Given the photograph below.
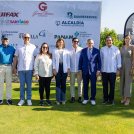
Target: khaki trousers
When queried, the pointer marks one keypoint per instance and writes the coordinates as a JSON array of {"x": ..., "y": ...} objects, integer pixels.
[
  {"x": 5, "y": 72},
  {"x": 73, "y": 75}
]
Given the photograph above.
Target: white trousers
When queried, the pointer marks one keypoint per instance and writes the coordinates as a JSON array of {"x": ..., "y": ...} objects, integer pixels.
[
  {"x": 73, "y": 75},
  {"x": 5, "y": 72}
]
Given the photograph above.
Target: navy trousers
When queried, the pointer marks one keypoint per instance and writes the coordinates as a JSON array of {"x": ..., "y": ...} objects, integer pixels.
[
  {"x": 93, "y": 79},
  {"x": 108, "y": 77},
  {"x": 61, "y": 84}
]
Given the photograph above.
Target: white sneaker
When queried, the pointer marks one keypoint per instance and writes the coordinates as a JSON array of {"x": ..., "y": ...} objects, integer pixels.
[
  {"x": 21, "y": 102},
  {"x": 93, "y": 102},
  {"x": 85, "y": 102},
  {"x": 29, "y": 103}
]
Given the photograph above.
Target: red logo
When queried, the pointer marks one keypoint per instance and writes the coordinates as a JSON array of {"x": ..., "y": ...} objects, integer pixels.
[
  {"x": 43, "y": 13},
  {"x": 8, "y": 14},
  {"x": 42, "y": 6}
]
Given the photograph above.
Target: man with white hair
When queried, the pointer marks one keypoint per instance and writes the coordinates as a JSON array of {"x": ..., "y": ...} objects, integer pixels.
[
  {"x": 24, "y": 62},
  {"x": 89, "y": 68}
]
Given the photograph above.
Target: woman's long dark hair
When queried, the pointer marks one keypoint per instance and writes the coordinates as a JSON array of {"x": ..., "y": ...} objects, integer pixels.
[{"x": 49, "y": 54}]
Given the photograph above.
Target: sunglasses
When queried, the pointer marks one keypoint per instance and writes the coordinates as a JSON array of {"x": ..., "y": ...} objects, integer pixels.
[
  {"x": 76, "y": 41},
  {"x": 127, "y": 39},
  {"x": 5, "y": 39},
  {"x": 45, "y": 47},
  {"x": 26, "y": 37}
]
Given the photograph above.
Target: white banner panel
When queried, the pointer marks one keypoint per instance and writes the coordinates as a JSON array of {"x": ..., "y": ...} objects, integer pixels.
[{"x": 50, "y": 20}]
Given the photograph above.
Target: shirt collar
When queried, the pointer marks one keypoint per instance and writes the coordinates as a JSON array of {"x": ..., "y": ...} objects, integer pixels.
[
  {"x": 110, "y": 47},
  {"x": 4, "y": 46},
  {"x": 25, "y": 45},
  {"x": 89, "y": 49},
  {"x": 74, "y": 48}
]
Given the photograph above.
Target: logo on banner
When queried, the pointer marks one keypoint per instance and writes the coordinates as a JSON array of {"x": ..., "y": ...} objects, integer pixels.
[
  {"x": 15, "y": 45},
  {"x": 14, "y": 22},
  {"x": 63, "y": 36},
  {"x": 9, "y": 14},
  {"x": 45, "y": 33},
  {"x": 76, "y": 34},
  {"x": 82, "y": 34},
  {"x": 31, "y": 35},
  {"x": 57, "y": 23},
  {"x": 71, "y": 16},
  {"x": 70, "y": 23},
  {"x": 8, "y": 33},
  {"x": 42, "y": 7},
  {"x": 19, "y": 21}
]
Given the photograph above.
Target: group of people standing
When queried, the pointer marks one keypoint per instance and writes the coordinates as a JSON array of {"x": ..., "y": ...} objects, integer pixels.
[{"x": 82, "y": 63}]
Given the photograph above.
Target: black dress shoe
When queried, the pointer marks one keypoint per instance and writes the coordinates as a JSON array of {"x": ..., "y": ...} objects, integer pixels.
[
  {"x": 80, "y": 100},
  {"x": 111, "y": 102},
  {"x": 72, "y": 100},
  {"x": 104, "y": 101}
]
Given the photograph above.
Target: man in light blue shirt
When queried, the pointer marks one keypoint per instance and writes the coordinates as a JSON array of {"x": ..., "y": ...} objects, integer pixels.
[{"x": 6, "y": 59}]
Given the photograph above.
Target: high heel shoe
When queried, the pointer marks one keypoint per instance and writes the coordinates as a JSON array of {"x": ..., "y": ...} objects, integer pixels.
[
  {"x": 123, "y": 100},
  {"x": 127, "y": 103}
]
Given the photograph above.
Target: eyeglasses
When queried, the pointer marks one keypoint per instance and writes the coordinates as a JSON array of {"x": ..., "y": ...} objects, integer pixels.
[
  {"x": 76, "y": 41},
  {"x": 5, "y": 39},
  {"x": 26, "y": 37},
  {"x": 127, "y": 39},
  {"x": 45, "y": 47}
]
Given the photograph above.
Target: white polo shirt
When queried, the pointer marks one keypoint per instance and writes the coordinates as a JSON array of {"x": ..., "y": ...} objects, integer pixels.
[{"x": 25, "y": 56}]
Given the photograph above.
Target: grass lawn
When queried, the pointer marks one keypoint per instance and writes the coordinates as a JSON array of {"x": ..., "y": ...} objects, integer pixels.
[{"x": 72, "y": 118}]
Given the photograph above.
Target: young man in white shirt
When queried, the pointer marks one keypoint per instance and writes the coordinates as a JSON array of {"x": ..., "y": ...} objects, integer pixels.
[
  {"x": 111, "y": 64},
  {"x": 74, "y": 53},
  {"x": 24, "y": 57}
]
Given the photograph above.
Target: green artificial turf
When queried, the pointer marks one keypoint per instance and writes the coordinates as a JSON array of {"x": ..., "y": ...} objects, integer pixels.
[{"x": 71, "y": 118}]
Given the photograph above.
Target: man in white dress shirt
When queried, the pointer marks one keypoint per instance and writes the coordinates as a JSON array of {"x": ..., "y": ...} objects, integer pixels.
[
  {"x": 24, "y": 57},
  {"x": 111, "y": 64},
  {"x": 74, "y": 53}
]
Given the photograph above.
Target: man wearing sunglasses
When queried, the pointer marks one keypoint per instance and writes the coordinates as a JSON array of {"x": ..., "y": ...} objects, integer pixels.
[
  {"x": 74, "y": 53},
  {"x": 6, "y": 59},
  {"x": 24, "y": 62}
]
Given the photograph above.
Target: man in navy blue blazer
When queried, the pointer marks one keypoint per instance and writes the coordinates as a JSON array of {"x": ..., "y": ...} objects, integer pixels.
[{"x": 89, "y": 68}]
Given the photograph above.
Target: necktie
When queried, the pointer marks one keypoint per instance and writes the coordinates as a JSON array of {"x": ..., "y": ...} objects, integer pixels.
[{"x": 89, "y": 54}]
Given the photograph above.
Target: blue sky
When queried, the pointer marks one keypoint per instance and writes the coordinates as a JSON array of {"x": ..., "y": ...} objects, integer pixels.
[{"x": 114, "y": 13}]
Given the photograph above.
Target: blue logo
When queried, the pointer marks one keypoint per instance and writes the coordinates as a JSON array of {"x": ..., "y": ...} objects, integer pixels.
[
  {"x": 69, "y": 15},
  {"x": 80, "y": 45},
  {"x": 70, "y": 23},
  {"x": 57, "y": 23},
  {"x": 76, "y": 34},
  {"x": 45, "y": 33},
  {"x": 42, "y": 33}
]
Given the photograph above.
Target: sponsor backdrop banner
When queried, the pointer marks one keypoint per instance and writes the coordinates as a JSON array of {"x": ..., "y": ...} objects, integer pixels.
[
  {"x": 129, "y": 27},
  {"x": 48, "y": 21}
]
